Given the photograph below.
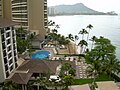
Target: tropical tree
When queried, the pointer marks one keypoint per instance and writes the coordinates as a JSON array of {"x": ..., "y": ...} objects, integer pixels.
[
  {"x": 69, "y": 80},
  {"x": 82, "y": 43},
  {"x": 76, "y": 38},
  {"x": 83, "y": 32},
  {"x": 23, "y": 39},
  {"x": 53, "y": 26},
  {"x": 70, "y": 36},
  {"x": 54, "y": 31},
  {"x": 104, "y": 54},
  {"x": 93, "y": 41},
  {"x": 67, "y": 69},
  {"x": 112, "y": 65},
  {"x": 9, "y": 85},
  {"x": 90, "y": 28},
  {"x": 94, "y": 70}
]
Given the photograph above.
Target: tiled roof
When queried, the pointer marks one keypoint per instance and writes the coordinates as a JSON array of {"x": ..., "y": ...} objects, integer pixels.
[
  {"x": 21, "y": 78},
  {"x": 6, "y": 23},
  {"x": 28, "y": 67}
]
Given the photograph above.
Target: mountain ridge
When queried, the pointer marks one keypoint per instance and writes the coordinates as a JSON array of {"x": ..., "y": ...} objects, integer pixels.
[{"x": 75, "y": 9}]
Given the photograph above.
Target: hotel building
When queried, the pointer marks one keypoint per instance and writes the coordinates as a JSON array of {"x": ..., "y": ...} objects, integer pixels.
[
  {"x": 5, "y": 9},
  {"x": 32, "y": 15},
  {"x": 8, "y": 49},
  {"x": 0, "y": 9}
]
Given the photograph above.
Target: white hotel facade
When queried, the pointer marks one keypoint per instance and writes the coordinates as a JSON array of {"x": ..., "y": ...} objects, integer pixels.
[{"x": 8, "y": 49}]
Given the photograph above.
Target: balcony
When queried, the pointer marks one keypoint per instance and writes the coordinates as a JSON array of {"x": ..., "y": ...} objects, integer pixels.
[
  {"x": 8, "y": 41},
  {"x": 20, "y": 13},
  {"x": 10, "y": 61},
  {"x": 19, "y": 6},
  {"x": 19, "y": 3},
  {"x": 17, "y": 11},
  {"x": 20, "y": 21},
  {"x": 25, "y": 19}
]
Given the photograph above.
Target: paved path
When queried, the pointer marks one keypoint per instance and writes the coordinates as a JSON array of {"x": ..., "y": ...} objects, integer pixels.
[{"x": 81, "y": 69}]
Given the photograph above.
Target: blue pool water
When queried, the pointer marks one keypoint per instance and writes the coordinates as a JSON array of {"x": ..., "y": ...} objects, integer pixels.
[{"x": 43, "y": 54}]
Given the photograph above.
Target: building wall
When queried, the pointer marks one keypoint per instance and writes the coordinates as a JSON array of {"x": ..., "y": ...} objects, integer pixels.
[
  {"x": 2, "y": 74},
  {"x": 0, "y": 8},
  {"x": 8, "y": 56},
  {"x": 20, "y": 13},
  {"x": 32, "y": 14},
  {"x": 6, "y": 9},
  {"x": 36, "y": 17}
]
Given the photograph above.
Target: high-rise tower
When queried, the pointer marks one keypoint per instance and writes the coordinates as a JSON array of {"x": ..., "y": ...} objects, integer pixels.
[
  {"x": 31, "y": 14},
  {"x": 8, "y": 49}
]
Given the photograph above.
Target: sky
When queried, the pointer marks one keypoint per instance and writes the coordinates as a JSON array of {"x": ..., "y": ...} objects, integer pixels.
[{"x": 98, "y": 5}]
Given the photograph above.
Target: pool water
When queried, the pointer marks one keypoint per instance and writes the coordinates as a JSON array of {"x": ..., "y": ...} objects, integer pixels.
[{"x": 43, "y": 54}]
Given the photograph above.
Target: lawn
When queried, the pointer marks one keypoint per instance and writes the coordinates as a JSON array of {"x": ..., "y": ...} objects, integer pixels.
[{"x": 88, "y": 81}]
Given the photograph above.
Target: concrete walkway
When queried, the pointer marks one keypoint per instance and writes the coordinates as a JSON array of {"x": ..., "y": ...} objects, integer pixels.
[{"x": 81, "y": 67}]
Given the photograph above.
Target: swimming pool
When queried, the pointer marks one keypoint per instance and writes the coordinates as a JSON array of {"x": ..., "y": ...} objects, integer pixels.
[{"x": 42, "y": 54}]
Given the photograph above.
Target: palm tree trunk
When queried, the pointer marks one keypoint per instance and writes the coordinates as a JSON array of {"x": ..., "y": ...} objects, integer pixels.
[
  {"x": 75, "y": 47},
  {"x": 92, "y": 45},
  {"x": 88, "y": 35},
  {"x": 81, "y": 49},
  {"x": 82, "y": 36}
]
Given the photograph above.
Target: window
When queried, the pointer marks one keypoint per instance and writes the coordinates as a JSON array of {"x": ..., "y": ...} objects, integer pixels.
[
  {"x": 6, "y": 67},
  {"x": 3, "y": 38},
  {"x": 3, "y": 45},
  {"x": 14, "y": 53},
  {"x": 8, "y": 41},
  {"x": 9, "y": 48},
  {"x": 14, "y": 46},
  {"x": 13, "y": 40},
  {"x": 7, "y": 34},
  {"x": 9, "y": 55},
  {"x": 2, "y": 30},
  {"x": 10, "y": 62},
  {"x": 15, "y": 59},
  {"x": 7, "y": 74},
  {"x": 16, "y": 65},
  {"x": 13, "y": 33},
  {"x": 5, "y": 60},
  {"x": 11, "y": 68},
  {"x": 4, "y": 53}
]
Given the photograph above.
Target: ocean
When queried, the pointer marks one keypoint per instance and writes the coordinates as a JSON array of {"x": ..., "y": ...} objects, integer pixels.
[{"x": 103, "y": 25}]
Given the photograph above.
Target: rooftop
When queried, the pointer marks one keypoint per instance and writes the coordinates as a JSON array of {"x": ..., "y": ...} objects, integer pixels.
[
  {"x": 6, "y": 23},
  {"x": 27, "y": 68},
  {"x": 111, "y": 85}
]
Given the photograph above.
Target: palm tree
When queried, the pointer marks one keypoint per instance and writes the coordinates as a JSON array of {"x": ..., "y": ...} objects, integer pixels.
[
  {"x": 54, "y": 31},
  {"x": 93, "y": 41},
  {"x": 76, "y": 38},
  {"x": 82, "y": 43},
  {"x": 70, "y": 36},
  {"x": 83, "y": 32},
  {"x": 89, "y": 27},
  {"x": 112, "y": 65}
]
